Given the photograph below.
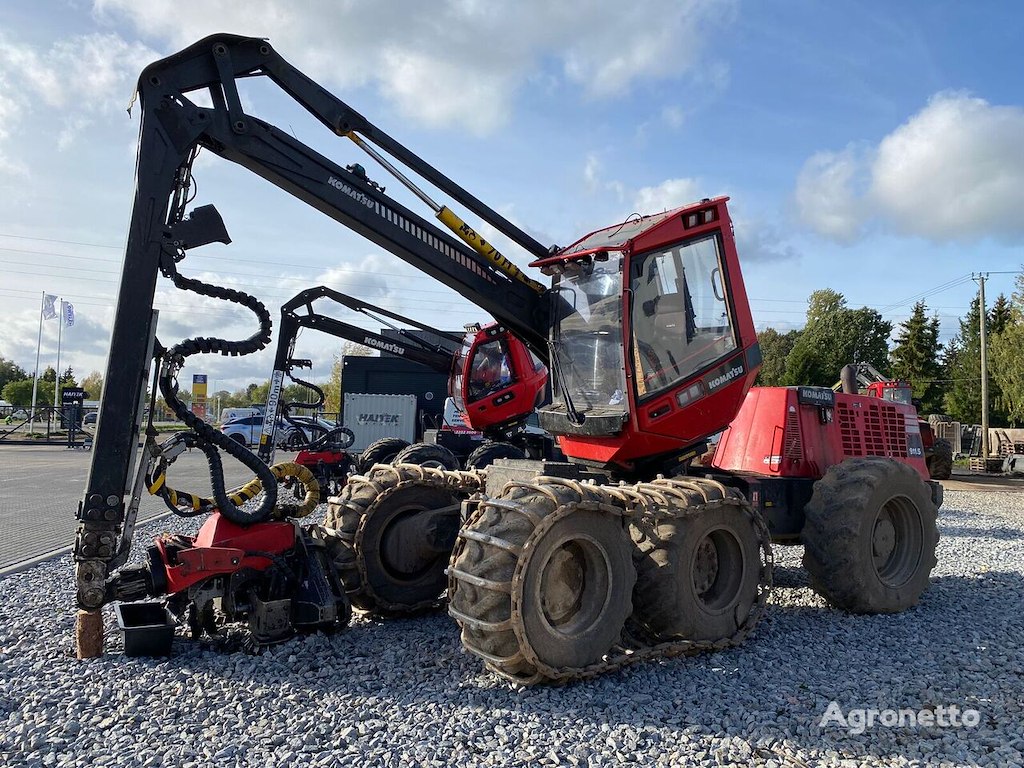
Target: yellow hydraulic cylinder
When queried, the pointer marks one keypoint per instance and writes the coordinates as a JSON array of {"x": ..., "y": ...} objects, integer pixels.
[
  {"x": 470, "y": 236},
  {"x": 451, "y": 220}
]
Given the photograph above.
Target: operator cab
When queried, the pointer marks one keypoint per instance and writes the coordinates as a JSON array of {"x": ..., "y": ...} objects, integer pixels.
[
  {"x": 895, "y": 391},
  {"x": 652, "y": 343},
  {"x": 496, "y": 380}
]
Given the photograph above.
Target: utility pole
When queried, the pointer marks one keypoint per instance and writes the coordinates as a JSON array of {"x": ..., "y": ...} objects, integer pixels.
[{"x": 980, "y": 280}]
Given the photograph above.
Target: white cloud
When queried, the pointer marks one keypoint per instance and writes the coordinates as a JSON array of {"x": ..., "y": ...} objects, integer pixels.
[
  {"x": 825, "y": 195},
  {"x": 84, "y": 76},
  {"x": 954, "y": 171},
  {"x": 459, "y": 62},
  {"x": 673, "y": 116},
  {"x": 757, "y": 241},
  {"x": 671, "y": 193}
]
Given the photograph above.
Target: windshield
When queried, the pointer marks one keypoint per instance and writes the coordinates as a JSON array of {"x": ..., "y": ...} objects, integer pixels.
[
  {"x": 899, "y": 395},
  {"x": 587, "y": 341},
  {"x": 680, "y": 316}
]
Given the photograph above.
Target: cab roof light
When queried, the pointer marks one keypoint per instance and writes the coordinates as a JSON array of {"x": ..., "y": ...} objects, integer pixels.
[{"x": 700, "y": 218}]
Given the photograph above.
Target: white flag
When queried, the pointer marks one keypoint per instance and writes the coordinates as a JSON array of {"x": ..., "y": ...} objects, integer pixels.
[
  {"x": 69, "y": 313},
  {"x": 49, "y": 312}
]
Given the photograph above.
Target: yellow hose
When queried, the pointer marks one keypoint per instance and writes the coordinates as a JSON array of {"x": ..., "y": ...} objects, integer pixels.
[{"x": 249, "y": 491}]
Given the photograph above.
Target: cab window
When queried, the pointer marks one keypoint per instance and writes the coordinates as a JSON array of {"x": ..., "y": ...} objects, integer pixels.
[
  {"x": 490, "y": 370},
  {"x": 681, "y": 321}
]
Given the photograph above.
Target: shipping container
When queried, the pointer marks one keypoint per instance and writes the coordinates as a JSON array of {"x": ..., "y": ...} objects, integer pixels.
[
  {"x": 371, "y": 417},
  {"x": 396, "y": 376}
]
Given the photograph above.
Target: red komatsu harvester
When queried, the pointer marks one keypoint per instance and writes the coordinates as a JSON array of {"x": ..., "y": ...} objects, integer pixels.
[{"x": 627, "y": 550}]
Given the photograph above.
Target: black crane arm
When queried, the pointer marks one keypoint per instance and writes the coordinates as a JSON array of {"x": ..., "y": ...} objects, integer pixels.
[
  {"x": 298, "y": 313},
  {"x": 216, "y": 63},
  {"x": 435, "y": 356}
]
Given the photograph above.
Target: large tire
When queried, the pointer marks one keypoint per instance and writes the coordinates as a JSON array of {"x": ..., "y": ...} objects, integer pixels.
[
  {"x": 537, "y": 596},
  {"x": 427, "y": 455},
  {"x": 485, "y": 455},
  {"x": 940, "y": 462},
  {"x": 698, "y": 575},
  {"x": 404, "y": 550},
  {"x": 869, "y": 536},
  {"x": 380, "y": 452},
  {"x": 388, "y": 550},
  {"x": 389, "y": 554}
]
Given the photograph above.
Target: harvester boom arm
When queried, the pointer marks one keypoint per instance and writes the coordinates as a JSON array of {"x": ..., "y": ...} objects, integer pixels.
[{"x": 174, "y": 126}]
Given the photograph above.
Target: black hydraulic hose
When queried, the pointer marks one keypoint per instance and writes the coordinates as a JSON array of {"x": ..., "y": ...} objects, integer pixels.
[
  {"x": 206, "y": 436},
  {"x": 320, "y": 396}
]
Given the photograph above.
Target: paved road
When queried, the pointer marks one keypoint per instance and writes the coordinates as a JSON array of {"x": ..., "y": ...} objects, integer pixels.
[{"x": 40, "y": 487}]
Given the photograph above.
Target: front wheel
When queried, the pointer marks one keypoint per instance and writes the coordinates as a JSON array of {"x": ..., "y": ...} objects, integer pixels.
[
  {"x": 486, "y": 454},
  {"x": 869, "y": 536},
  {"x": 427, "y": 455}
]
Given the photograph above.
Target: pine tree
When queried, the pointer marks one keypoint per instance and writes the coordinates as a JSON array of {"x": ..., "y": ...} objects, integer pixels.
[
  {"x": 1000, "y": 318},
  {"x": 962, "y": 363},
  {"x": 1000, "y": 314},
  {"x": 915, "y": 358}
]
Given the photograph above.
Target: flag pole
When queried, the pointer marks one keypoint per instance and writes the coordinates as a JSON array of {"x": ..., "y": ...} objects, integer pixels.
[
  {"x": 56, "y": 383},
  {"x": 35, "y": 377}
]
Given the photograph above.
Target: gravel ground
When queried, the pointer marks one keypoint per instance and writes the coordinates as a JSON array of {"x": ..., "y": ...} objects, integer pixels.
[{"x": 402, "y": 693}]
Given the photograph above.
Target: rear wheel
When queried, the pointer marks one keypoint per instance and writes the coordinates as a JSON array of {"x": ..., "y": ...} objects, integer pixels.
[
  {"x": 698, "y": 574},
  {"x": 380, "y": 452},
  {"x": 427, "y": 455},
  {"x": 940, "y": 462},
  {"x": 486, "y": 454},
  {"x": 870, "y": 535}
]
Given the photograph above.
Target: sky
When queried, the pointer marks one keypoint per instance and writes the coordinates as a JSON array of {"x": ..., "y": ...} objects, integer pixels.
[{"x": 874, "y": 148}]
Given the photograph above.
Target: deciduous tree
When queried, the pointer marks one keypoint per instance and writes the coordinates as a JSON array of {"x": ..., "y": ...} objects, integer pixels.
[{"x": 775, "y": 348}]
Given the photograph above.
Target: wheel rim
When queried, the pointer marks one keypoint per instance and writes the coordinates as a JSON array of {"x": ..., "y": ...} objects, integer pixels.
[
  {"x": 413, "y": 542},
  {"x": 897, "y": 539},
  {"x": 718, "y": 569},
  {"x": 574, "y": 586}
]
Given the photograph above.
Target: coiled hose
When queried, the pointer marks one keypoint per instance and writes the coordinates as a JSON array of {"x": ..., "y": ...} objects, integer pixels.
[{"x": 202, "y": 435}]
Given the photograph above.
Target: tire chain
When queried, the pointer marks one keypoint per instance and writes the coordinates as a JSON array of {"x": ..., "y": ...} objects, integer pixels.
[
  {"x": 655, "y": 501},
  {"x": 346, "y": 523}
]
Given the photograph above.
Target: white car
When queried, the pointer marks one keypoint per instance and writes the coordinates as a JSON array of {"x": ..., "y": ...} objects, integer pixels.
[{"x": 247, "y": 430}]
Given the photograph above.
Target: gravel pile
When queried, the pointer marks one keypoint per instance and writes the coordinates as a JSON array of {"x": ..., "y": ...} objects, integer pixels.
[{"x": 402, "y": 693}]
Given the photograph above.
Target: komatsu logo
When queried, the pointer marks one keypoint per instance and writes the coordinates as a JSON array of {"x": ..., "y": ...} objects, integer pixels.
[
  {"x": 359, "y": 197},
  {"x": 378, "y": 418},
  {"x": 384, "y": 345},
  {"x": 725, "y": 378}
]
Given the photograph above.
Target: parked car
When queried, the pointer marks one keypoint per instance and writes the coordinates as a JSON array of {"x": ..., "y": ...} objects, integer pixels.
[
  {"x": 90, "y": 417},
  {"x": 313, "y": 426},
  {"x": 247, "y": 430}
]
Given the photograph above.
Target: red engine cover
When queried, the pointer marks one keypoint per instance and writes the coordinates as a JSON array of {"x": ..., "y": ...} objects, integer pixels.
[{"x": 802, "y": 431}]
